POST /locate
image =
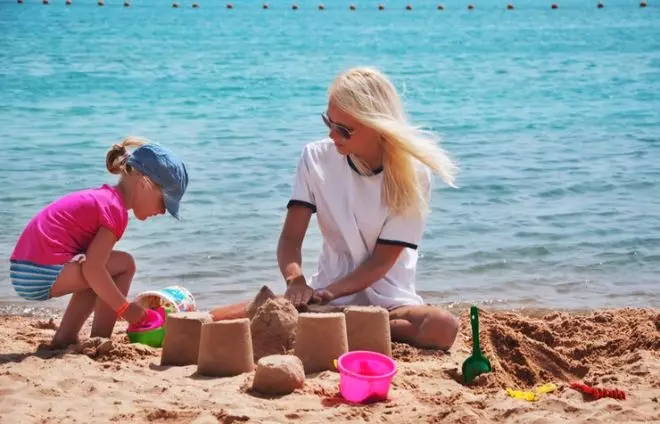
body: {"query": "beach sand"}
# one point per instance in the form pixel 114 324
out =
pixel 107 382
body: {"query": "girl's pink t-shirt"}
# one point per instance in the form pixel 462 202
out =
pixel 66 227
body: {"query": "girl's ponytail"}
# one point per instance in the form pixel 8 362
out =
pixel 117 156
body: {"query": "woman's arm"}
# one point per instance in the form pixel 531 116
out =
pixel 289 254
pixel 371 270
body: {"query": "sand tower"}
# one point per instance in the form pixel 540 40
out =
pixel 320 339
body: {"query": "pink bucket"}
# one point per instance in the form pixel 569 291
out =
pixel 364 376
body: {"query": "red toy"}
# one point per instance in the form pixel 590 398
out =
pixel 597 393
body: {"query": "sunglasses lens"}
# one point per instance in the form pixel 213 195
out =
pixel 342 131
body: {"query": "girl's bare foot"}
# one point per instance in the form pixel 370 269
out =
pixel 62 341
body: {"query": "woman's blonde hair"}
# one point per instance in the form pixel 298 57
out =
pixel 371 98
pixel 117 157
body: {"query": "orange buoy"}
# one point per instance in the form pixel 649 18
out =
pixel 294 7
pixel 408 7
pixel 321 7
pixel 352 7
pixel 509 6
pixel 470 7
pixel 440 7
pixel 230 6
pixel 381 7
pixel 554 6
pixel 600 5
pixel 643 4
pixel 195 6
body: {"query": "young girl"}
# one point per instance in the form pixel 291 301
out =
pixel 67 248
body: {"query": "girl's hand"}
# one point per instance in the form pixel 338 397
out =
pixel 135 313
pixel 323 296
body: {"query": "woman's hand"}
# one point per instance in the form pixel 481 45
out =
pixel 323 296
pixel 298 292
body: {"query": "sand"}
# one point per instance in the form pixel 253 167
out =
pixel 273 328
pixel 122 383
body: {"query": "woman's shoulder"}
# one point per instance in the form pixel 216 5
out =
pixel 319 151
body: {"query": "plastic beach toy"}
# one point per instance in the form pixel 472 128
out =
pixel 364 376
pixel 477 363
pixel 532 396
pixel 151 331
pixel 598 393
pixel 172 298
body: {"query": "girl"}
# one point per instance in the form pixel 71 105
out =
pixel 369 184
pixel 67 248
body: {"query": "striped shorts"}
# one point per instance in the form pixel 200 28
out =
pixel 33 281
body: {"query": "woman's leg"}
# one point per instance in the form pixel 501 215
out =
pixel 121 267
pixel 235 311
pixel 423 326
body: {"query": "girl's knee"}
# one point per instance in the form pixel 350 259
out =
pixel 438 330
pixel 124 263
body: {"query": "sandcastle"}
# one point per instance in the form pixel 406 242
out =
pixel 320 339
pixel 273 328
pixel 279 375
pixel 225 348
pixel 368 328
pixel 181 343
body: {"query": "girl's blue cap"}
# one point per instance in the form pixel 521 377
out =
pixel 164 169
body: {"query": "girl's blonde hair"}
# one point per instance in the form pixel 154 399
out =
pixel 371 98
pixel 117 157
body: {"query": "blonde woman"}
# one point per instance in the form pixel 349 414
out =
pixel 369 184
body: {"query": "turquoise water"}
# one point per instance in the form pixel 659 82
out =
pixel 554 117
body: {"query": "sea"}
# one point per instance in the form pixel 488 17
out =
pixel 553 116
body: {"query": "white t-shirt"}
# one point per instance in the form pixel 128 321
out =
pixel 352 219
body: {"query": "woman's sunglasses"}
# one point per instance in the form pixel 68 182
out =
pixel 343 132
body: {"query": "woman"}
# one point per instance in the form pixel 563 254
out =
pixel 369 184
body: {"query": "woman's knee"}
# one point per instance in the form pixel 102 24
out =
pixel 438 330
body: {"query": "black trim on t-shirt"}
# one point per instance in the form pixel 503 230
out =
pixel 301 203
pixel 354 168
pixel 396 243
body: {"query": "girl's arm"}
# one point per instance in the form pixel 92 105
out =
pixel 373 269
pixel 95 272
pixel 289 254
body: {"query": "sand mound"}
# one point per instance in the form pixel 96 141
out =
pixel 264 294
pixel 279 375
pixel 525 351
pixel 273 328
pixel 106 350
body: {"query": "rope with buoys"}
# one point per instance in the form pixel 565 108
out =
pixel 352 7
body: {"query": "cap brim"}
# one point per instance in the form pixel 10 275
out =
pixel 172 205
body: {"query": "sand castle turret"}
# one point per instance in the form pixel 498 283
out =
pixel 225 348
pixel 182 334
pixel 320 339
pixel 368 328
